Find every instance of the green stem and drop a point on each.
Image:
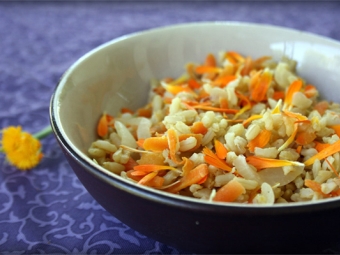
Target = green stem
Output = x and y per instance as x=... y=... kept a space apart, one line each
x=43 y=133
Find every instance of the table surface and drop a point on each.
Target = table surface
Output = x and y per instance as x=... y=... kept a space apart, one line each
x=46 y=209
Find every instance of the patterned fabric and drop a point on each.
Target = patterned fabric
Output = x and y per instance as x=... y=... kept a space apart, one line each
x=47 y=210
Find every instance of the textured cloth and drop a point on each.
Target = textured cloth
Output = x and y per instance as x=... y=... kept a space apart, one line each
x=47 y=210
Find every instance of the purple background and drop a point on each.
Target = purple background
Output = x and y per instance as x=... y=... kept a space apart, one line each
x=47 y=210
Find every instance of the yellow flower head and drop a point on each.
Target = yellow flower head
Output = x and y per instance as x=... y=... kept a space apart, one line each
x=21 y=148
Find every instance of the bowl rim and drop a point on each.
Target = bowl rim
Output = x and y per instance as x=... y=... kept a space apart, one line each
x=164 y=197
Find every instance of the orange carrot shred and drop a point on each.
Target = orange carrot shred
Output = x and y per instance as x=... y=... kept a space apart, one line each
x=278 y=95
x=229 y=192
x=221 y=150
x=260 y=140
x=130 y=164
x=140 y=143
x=315 y=186
x=261 y=163
x=126 y=110
x=295 y=86
x=152 y=168
x=175 y=89
x=320 y=146
x=147 y=178
x=304 y=138
x=248 y=66
x=223 y=81
x=223 y=103
x=210 y=60
x=173 y=143
x=328 y=151
x=321 y=107
x=298 y=149
x=336 y=128
x=144 y=112
x=102 y=126
x=215 y=109
x=157 y=144
x=155 y=182
x=193 y=84
x=194 y=176
x=261 y=86
x=198 y=128
x=207 y=69
x=235 y=56
x=310 y=91
x=187 y=166
x=212 y=159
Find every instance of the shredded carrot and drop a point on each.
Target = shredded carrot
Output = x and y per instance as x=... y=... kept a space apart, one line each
x=278 y=95
x=221 y=150
x=321 y=107
x=207 y=69
x=147 y=178
x=298 y=149
x=234 y=57
x=294 y=87
x=175 y=89
x=261 y=163
x=320 y=146
x=248 y=66
x=173 y=143
x=210 y=60
x=126 y=110
x=336 y=128
x=328 y=151
x=154 y=144
x=229 y=192
x=310 y=91
x=315 y=186
x=223 y=103
x=223 y=81
x=198 y=138
x=187 y=166
x=155 y=182
x=198 y=128
x=260 y=140
x=159 y=90
x=103 y=124
x=215 y=109
x=130 y=164
x=152 y=168
x=193 y=84
x=194 y=176
x=144 y=112
x=212 y=159
x=305 y=137
x=260 y=88
x=297 y=116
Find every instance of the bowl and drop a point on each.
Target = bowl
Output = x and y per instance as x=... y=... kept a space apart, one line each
x=117 y=74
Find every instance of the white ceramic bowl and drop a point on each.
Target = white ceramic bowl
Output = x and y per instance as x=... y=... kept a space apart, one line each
x=117 y=74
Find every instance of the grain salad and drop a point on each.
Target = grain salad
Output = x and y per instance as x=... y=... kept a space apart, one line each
x=230 y=129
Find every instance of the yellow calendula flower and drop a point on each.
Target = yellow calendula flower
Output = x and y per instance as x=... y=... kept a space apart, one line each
x=22 y=149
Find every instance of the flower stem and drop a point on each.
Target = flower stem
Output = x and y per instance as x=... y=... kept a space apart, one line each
x=43 y=133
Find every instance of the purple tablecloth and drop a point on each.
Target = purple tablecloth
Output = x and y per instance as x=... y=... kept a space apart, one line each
x=47 y=210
